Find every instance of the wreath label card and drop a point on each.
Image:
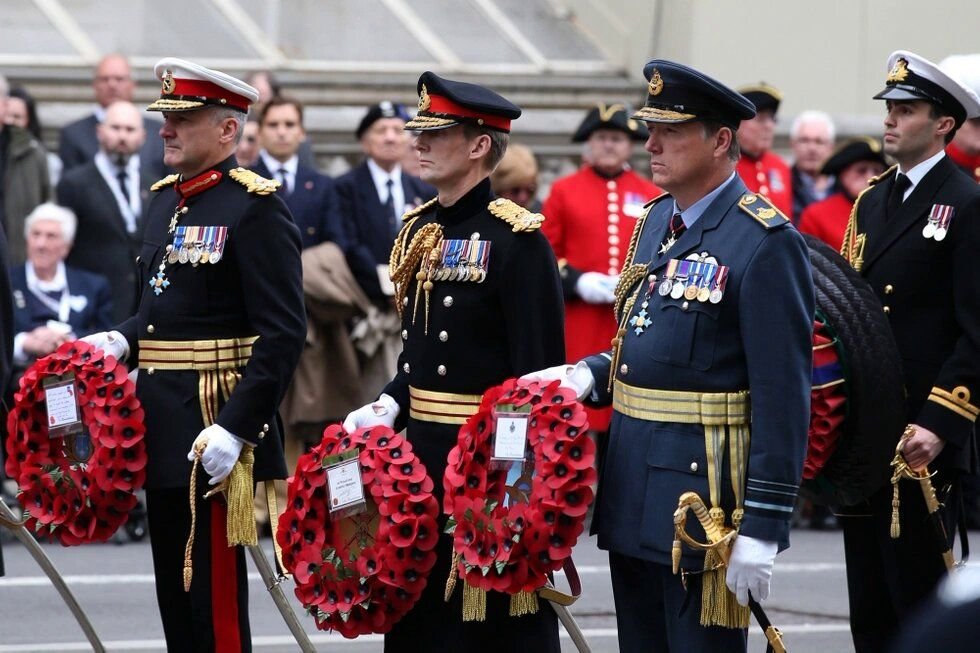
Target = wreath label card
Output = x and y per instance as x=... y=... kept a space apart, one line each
x=61 y=399
x=509 y=437
x=344 y=485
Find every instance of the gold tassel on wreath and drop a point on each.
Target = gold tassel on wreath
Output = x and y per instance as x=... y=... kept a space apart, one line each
x=523 y=603
x=474 y=603
x=719 y=606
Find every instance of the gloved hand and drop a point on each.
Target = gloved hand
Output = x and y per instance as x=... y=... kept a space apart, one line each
x=111 y=342
x=596 y=288
x=220 y=454
x=578 y=377
x=750 y=568
x=380 y=413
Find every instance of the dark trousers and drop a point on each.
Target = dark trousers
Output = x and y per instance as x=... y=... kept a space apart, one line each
x=213 y=616
x=655 y=614
x=888 y=578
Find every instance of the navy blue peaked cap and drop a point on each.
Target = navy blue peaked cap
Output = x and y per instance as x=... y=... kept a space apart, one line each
x=677 y=93
x=444 y=103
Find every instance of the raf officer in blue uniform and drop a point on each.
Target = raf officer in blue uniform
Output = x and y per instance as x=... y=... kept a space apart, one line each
x=914 y=235
x=709 y=375
x=466 y=336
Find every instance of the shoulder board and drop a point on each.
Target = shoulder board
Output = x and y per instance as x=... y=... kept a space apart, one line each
x=762 y=210
x=883 y=176
x=419 y=210
x=169 y=180
x=519 y=218
x=253 y=182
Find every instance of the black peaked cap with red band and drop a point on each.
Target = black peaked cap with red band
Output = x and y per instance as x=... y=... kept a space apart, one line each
x=187 y=86
x=444 y=103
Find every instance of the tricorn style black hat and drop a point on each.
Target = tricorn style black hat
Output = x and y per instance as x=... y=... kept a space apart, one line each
x=861 y=148
x=381 y=110
x=911 y=77
x=444 y=103
x=763 y=96
x=676 y=94
x=611 y=116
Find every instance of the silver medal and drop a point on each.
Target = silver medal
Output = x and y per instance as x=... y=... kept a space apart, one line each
x=183 y=256
x=940 y=233
x=215 y=257
x=677 y=291
x=664 y=288
x=715 y=296
x=929 y=230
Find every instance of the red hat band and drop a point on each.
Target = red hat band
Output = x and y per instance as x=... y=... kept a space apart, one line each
x=442 y=104
x=210 y=90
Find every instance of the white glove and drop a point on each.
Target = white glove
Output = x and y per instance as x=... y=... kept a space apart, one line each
x=381 y=413
x=596 y=288
x=578 y=377
x=220 y=454
x=111 y=342
x=750 y=568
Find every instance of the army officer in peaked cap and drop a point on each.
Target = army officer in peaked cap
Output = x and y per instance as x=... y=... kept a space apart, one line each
x=914 y=235
x=709 y=376
x=217 y=334
x=466 y=336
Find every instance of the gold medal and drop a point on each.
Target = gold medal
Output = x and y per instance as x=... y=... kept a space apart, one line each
x=704 y=294
x=691 y=292
x=205 y=256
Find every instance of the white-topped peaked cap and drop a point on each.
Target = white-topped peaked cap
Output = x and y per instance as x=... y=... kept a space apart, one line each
x=911 y=77
x=965 y=68
x=187 y=86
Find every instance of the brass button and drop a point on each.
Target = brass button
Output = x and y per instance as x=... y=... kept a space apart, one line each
x=889 y=289
x=651 y=278
x=887 y=310
x=685 y=305
x=443 y=336
x=150 y=370
x=694 y=467
x=404 y=334
x=405 y=301
x=406 y=368
x=184 y=209
x=764 y=190
x=261 y=435
x=150 y=328
x=475 y=235
x=624 y=369
x=139 y=259
x=265 y=428
x=447 y=301
x=441 y=370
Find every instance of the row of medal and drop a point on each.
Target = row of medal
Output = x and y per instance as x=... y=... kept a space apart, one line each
x=938 y=224
x=691 y=279
x=463 y=260
x=195 y=244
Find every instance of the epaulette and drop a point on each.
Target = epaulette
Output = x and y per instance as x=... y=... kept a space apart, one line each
x=760 y=208
x=883 y=176
x=169 y=180
x=519 y=218
x=254 y=183
x=419 y=210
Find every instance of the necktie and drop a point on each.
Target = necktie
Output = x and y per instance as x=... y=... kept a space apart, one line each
x=123 y=185
x=284 y=178
x=674 y=231
x=390 y=205
x=897 y=194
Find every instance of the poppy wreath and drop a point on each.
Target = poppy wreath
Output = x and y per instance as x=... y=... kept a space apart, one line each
x=360 y=574
x=512 y=546
x=64 y=499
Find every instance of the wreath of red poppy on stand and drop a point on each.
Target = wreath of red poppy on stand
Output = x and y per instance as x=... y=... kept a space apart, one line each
x=65 y=498
x=508 y=538
x=360 y=574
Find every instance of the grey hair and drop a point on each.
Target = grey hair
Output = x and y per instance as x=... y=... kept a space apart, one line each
x=812 y=116
x=4 y=87
x=498 y=142
x=218 y=114
x=55 y=213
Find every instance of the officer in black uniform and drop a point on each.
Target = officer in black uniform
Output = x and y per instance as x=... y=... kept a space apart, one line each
x=914 y=235
x=709 y=376
x=218 y=332
x=465 y=333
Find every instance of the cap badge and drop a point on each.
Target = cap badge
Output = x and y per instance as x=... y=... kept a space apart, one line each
x=606 y=114
x=424 y=101
x=899 y=71
x=168 y=82
x=656 y=83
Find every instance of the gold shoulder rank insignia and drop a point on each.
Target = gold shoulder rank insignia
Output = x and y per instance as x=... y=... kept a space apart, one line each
x=419 y=210
x=883 y=176
x=764 y=212
x=519 y=218
x=253 y=182
x=169 y=180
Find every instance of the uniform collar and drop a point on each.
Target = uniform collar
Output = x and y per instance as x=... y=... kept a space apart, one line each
x=691 y=214
x=208 y=179
x=474 y=201
x=917 y=172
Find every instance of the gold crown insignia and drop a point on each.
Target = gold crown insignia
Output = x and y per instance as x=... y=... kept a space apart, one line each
x=168 y=82
x=424 y=100
x=656 y=84
x=899 y=71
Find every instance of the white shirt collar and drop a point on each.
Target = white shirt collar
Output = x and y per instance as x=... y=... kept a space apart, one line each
x=99 y=113
x=275 y=165
x=381 y=177
x=57 y=284
x=920 y=170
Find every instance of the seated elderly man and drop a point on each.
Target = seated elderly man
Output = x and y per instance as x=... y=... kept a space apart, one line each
x=54 y=303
